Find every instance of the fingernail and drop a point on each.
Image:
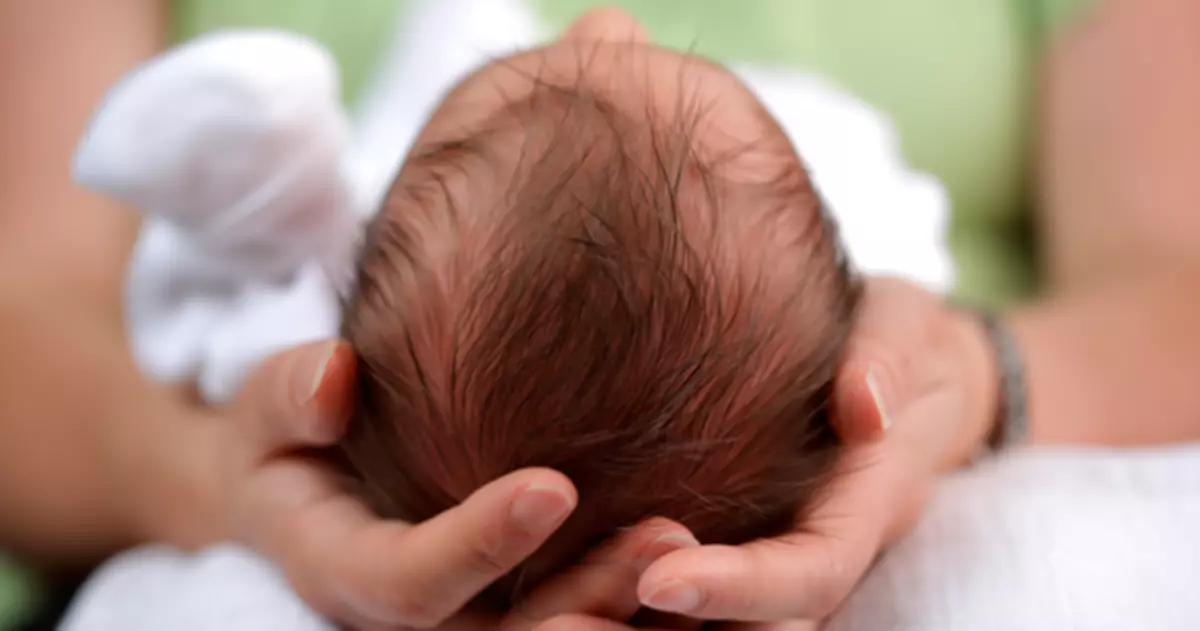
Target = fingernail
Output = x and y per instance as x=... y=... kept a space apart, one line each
x=674 y=597
x=874 y=384
x=309 y=383
x=663 y=546
x=539 y=510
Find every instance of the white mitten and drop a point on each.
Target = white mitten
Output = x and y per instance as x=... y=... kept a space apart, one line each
x=268 y=320
x=232 y=147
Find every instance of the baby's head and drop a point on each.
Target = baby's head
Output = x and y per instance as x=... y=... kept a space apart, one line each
x=603 y=258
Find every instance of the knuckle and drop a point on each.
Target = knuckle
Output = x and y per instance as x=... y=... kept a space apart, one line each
x=744 y=599
x=487 y=556
x=818 y=590
x=830 y=586
x=824 y=598
x=317 y=599
x=657 y=524
x=417 y=611
x=400 y=599
x=637 y=539
x=562 y=623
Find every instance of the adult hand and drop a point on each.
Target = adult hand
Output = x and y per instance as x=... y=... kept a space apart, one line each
x=913 y=398
x=375 y=574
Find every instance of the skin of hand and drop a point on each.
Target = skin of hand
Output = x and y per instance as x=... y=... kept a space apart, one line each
x=914 y=398
x=374 y=574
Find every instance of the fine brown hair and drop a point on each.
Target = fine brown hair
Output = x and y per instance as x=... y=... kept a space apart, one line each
x=576 y=286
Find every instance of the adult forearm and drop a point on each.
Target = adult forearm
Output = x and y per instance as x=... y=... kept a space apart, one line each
x=94 y=456
x=56 y=491
x=1114 y=357
x=67 y=378
x=1115 y=365
x=57 y=59
x=1119 y=140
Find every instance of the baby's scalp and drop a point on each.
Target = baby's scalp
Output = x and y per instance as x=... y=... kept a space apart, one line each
x=648 y=301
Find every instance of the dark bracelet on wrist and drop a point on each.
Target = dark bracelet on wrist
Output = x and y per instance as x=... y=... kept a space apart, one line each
x=1011 y=425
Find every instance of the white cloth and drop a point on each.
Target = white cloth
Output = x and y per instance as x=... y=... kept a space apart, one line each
x=1083 y=540
x=1036 y=542
x=223 y=142
x=222 y=588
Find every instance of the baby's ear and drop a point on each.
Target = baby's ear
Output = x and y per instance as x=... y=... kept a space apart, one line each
x=205 y=128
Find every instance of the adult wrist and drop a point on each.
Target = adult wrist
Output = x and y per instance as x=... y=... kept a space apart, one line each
x=982 y=379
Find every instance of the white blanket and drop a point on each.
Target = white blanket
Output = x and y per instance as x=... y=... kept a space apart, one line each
x=1081 y=539
x=1035 y=542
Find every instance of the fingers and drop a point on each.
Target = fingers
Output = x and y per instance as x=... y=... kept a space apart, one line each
x=603 y=583
x=421 y=575
x=341 y=559
x=782 y=625
x=578 y=622
x=804 y=575
x=352 y=567
x=302 y=396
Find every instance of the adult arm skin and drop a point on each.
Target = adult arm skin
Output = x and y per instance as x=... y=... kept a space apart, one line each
x=79 y=427
x=1113 y=352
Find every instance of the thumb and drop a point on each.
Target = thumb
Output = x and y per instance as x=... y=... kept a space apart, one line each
x=877 y=374
x=303 y=396
x=862 y=398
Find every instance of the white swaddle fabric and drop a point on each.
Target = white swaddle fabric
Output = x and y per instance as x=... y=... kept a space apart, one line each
x=208 y=299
